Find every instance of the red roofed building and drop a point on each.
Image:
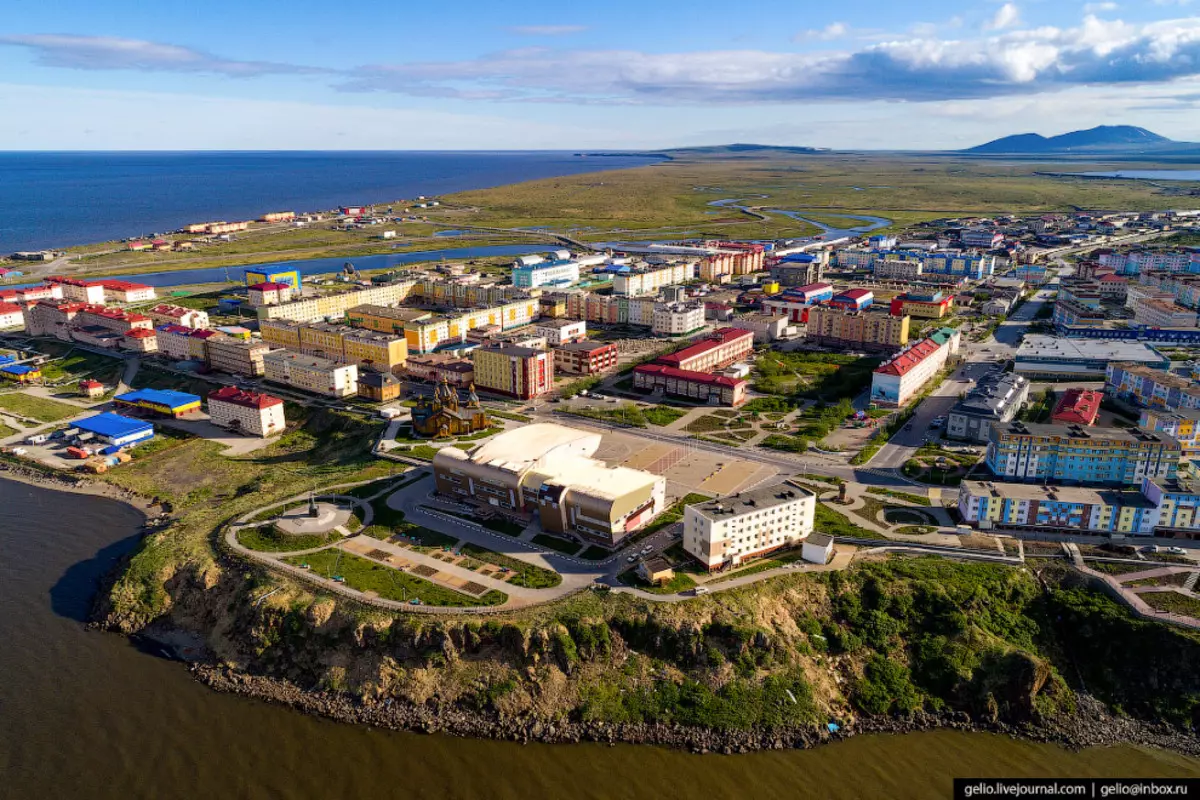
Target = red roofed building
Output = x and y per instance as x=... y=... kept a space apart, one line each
x=90 y=388
x=141 y=340
x=11 y=316
x=853 y=299
x=269 y=294
x=79 y=291
x=1078 y=407
x=700 y=386
x=1112 y=286
x=253 y=413
x=126 y=292
x=113 y=319
x=168 y=314
x=51 y=318
x=895 y=382
x=719 y=349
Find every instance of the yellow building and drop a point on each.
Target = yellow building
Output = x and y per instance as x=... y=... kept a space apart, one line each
x=309 y=309
x=386 y=352
x=427 y=335
x=868 y=330
x=520 y=372
x=311 y=373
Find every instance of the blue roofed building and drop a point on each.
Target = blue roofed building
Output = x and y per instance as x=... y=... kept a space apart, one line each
x=166 y=402
x=116 y=430
x=546 y=273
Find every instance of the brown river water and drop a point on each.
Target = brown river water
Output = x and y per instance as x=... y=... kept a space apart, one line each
x=86 y=714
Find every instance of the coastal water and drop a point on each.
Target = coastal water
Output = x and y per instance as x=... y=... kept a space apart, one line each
x=1148 y=174
x=50 y=200
x=85 y=714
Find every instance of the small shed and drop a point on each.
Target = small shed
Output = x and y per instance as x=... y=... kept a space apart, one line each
x=817 y=548
x=656 y=570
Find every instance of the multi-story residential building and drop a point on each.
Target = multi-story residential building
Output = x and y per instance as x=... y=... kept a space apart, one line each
x=1020 y=451
x=899 y=379
x=585 y=358
x=1140 y=261
x=799 y=269
x=546 y=472
x=952 y=263
x=765 y=327
x=167 y=314
x=719 y=349
x=873 y=331
x=676 y=319
x=987 y=238
x=1068 y=312
x=325 y=306
x=116 y=291
x=520 y=372
x=996 y=397
x=11 y=316
x=269 y=294
x=560 y=272
x=254 y=413
x=173 y=341
x=89 y=292
x=698 y=386
x=140 y=340
x=1162 y=314
x=728 y=531
x=311 y=373
x=923 y=305
x=467 y=291
x=384 y=319
x=993 y=505
x=896 y=270
x=650 y=279
x=721 y=267
x=236 y=356
x=427 y=335
x=367 y=348
x=1184 y=289
x=51 y=318
x=1055 y=357
x=438 y=367
x=112 y=319
x=1113 y=287
x=1077 y=407
x=560 y=331
x=1135 y=293
x=1180 y=424
x=31 y=294
x=1152 y=388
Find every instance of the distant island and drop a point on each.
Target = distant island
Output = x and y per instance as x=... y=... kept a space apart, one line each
x=1101 y=140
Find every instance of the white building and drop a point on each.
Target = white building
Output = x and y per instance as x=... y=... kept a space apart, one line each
x=168 y=314
x=817 y=548
x=675 y=319
x=727 y=531
x=311 y=373
x=981 y=237
x=246 y=412
x=558 y=332
x=11 y=316
x=545 y=273
x=895 y=269
x=125 y=292
x=650 y=279
x=905 y=374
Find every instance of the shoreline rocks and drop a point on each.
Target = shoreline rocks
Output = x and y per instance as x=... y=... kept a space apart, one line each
x=1091 y=726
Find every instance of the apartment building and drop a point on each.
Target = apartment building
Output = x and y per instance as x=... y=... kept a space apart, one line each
x=560 y=272
x=269 y=294
x=1076 y=454
x=1180 y=424
x=173 y=341
x=51 y=318
x=896 y=270
x=1151 y=388
x=254 y=413
x=1156 y=313
x=676 y=319
x=236 y=356
x=873 y=331
x=650 y=279
x=11 y=316
x=167 y=314
x=902 y=377
x=520 y=372
x=438 y=367
x=560 y=331
x=996 y=397
x=78 y=291
x=366 y=348
x=334 y=305
x=311 y=373
x=719 y=349
x=384 y=319
x=116 y=291
x=994 y=505
x=427 y=335
x=585 y=358
x=728 y=531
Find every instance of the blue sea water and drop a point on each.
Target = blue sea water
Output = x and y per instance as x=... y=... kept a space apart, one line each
x=50 y=200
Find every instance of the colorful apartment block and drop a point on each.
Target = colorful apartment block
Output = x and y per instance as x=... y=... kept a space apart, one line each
x=1019 y=451
x=520 y=372
x=1180 y=424
x=873 y=331
x=1151 y=388
x=933 y=305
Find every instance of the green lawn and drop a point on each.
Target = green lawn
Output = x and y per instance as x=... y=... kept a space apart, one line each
x=920 y=500
x=1173 y=601
x=268 y=539
x=523 y=574
x=835 y=523
x=6 y=431
x=555 y=543
x=680 y=583
x=662 y=415
x=497 y=524
x=26 y=405
x=366 y=575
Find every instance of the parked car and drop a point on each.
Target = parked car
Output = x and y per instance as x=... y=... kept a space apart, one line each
x=699 y=590
x=631 y=559
x=1177 y=551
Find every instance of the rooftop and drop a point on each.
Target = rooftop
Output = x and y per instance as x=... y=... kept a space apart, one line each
x=162 y=397
x=1078 y=406
x=722 y=508
x=714 y=340
x=378 y=379
x=584 y=346
x=991 y=395
x=110 y=424
x=269 y=286
x=1057 y=494
x=902 y=362
x=1044 y=348
x=241 y=397
x=1110 y=435
x=687 y=375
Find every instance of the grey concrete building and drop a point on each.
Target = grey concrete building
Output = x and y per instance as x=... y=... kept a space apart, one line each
x=996 y=398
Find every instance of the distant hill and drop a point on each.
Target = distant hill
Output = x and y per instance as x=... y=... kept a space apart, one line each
x=1104 y=138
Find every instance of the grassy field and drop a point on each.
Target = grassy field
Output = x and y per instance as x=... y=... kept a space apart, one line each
x=40 y=408
x=1173 y=601
x=269 y=539
x=366 y=575
x=523 y=574
x=680 y=583
x=6 y=431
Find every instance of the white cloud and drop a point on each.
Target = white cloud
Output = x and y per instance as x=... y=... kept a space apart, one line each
x=108 y=52
x=832 y=31
x=546 y=30
x=912 y=68
x=1097 y=8
x=1007 y=16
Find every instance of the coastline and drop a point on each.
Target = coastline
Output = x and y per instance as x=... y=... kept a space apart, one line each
x=1090 y=726
x=63 y=483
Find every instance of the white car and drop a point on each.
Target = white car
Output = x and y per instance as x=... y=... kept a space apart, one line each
x=699 y=590
x=1177 y=551
x=631 y=559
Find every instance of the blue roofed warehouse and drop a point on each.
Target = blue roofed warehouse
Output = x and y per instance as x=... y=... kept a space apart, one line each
x=116 y=430
x=160 y=401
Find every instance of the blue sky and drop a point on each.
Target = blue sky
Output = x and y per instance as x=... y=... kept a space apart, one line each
x=618 y=74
